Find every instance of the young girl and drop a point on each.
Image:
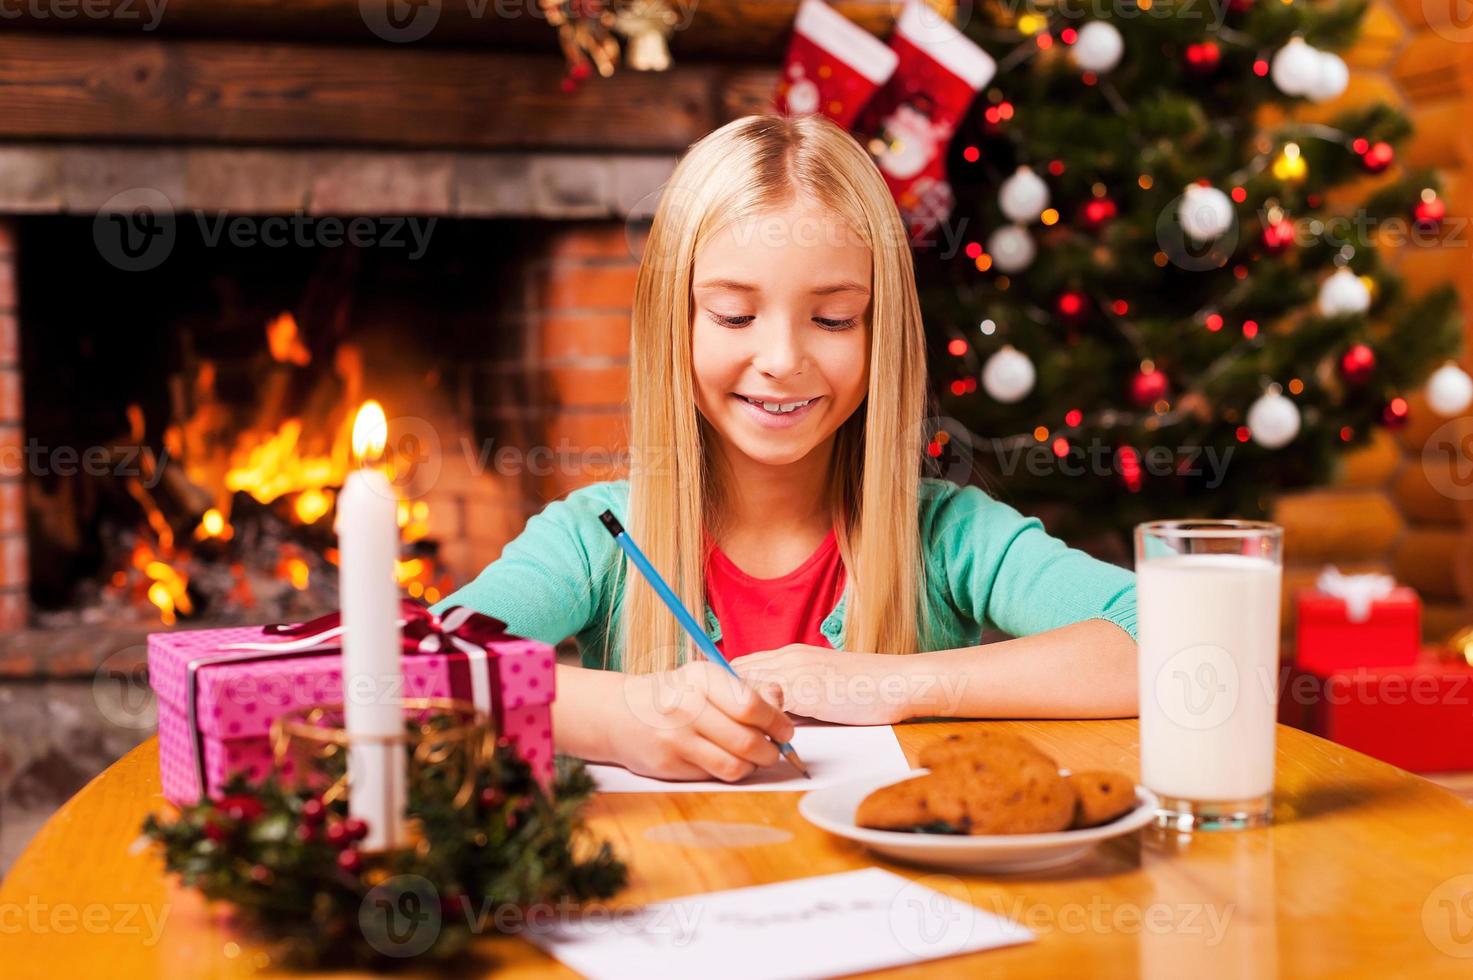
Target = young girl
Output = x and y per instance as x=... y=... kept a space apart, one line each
x=777 y=396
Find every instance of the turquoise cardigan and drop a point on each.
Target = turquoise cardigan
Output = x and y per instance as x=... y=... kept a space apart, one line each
x=986 y=566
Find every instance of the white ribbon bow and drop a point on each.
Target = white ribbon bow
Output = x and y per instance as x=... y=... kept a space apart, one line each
x=1357 y=591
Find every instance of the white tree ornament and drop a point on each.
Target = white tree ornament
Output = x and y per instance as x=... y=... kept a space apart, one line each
x=1331 y=78
x=1273 y=420
x=1204 y=212
x=1449 y=390
x=1008 y=375
x=1023 y=196
x=1343 y=294
x=1295 y=68
x=1011 y=248
x=1098 y=47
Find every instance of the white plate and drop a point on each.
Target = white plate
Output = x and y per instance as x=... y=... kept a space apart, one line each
x=833 y=810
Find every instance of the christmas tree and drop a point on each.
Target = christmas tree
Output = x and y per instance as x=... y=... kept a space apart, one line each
x=1158 y=303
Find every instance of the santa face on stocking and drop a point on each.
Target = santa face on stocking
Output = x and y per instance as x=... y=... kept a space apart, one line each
x=802 y=93
x=909 y=141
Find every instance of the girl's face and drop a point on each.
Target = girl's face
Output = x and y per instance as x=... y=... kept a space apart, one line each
x=780 y=343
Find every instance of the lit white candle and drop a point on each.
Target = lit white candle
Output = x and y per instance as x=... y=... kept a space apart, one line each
x=368 y=544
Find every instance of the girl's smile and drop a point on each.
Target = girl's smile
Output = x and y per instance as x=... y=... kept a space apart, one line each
x=776 y=413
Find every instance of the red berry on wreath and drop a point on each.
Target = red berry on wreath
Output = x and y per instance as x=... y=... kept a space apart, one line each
x=216 y=832
x=355 y=828
x=261 y=874
x=1377 y=157
x=305 y=832
x=491 y=797
x=337 y=834
x=350 y=860
x=313 y=810
x=240 y=808
x=1358 y=364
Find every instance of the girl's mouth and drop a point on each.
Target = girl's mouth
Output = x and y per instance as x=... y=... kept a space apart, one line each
x=777 y=414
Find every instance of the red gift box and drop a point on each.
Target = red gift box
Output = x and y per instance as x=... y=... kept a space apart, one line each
x=1328 y=637
x=1418 y=716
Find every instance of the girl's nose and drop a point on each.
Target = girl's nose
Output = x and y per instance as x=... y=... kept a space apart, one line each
x=779 y=352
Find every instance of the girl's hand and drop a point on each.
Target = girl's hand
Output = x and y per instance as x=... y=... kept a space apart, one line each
x=696 y=722
x=832 y=685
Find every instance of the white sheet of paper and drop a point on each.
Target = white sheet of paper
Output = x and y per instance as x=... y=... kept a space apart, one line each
x=812 y=927
x=832 y=753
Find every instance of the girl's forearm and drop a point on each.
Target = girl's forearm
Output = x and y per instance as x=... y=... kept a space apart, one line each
x=1085 y=670
x=582 y=711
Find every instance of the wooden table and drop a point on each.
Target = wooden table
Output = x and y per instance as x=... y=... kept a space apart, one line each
x=1368 y=872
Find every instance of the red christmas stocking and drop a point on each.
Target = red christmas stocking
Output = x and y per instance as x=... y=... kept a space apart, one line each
x=833 y=65
x=912 y=118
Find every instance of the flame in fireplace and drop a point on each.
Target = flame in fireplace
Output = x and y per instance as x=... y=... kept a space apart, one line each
x=281 y=457
x=285 y=341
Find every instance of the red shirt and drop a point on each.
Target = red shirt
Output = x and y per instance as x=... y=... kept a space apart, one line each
x=759 y=614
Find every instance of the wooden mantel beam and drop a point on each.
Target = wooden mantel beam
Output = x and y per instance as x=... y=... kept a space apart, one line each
x=751 y=30
x=91 y=87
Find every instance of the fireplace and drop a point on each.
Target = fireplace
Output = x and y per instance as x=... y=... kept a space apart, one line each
x=177 y=418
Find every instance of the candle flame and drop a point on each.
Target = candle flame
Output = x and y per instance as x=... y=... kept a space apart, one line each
x=370 y=431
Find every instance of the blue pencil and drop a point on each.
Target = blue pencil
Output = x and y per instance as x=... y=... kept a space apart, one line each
x=682 y=614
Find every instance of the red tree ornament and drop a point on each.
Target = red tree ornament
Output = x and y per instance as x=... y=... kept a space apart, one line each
x=1358 y=364
x=1396 y=413
x=1278 y=236
x=1072 y=304
x=1429 y=212
x=1098 y=212
x=1203 y=58
x=1377 y=157
x=1148 y=387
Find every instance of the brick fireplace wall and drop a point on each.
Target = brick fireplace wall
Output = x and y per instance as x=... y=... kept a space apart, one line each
x=14 y=606
x=559 y=398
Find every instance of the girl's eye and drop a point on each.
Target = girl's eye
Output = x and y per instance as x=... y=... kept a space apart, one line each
x=732 y=321
x=835 y=325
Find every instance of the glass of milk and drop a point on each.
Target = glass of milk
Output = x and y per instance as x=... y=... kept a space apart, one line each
x=1208 y=632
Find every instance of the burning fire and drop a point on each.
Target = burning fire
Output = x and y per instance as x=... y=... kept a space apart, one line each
x=291 y=463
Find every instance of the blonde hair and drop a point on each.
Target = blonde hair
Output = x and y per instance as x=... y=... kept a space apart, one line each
x=752 y=166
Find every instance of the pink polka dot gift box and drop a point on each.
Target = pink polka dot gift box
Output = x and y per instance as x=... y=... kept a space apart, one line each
x=219 y=689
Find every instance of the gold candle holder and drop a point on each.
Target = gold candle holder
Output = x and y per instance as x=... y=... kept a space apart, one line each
x=445 y=738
